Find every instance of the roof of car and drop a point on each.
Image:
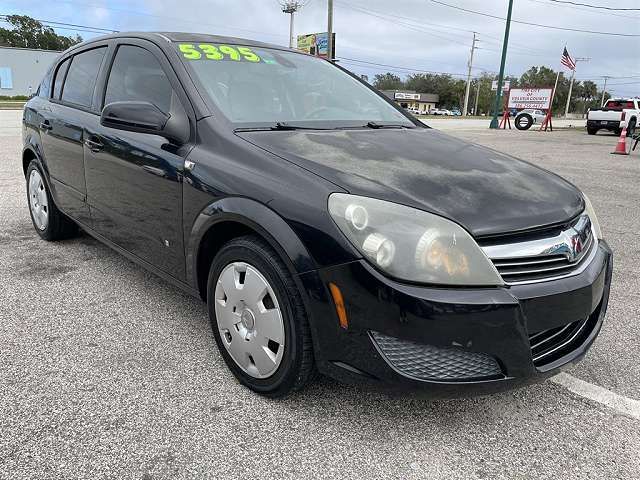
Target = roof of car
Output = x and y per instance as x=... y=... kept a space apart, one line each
x=183 y=37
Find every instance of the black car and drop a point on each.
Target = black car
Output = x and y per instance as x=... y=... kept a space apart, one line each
x=327 y=230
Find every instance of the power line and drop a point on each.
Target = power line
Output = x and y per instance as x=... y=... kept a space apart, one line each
x=553 y=27
x=597 y=6
x=410 y=69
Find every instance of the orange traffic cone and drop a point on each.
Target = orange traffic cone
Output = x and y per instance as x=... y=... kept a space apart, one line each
x=621 y=146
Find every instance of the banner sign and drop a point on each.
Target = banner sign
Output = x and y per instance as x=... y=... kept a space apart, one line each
x=406 y=96
x=316 y=44
x=505 y=85
x=539 y=98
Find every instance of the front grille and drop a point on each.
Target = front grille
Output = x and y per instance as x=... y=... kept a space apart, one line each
x=543 y=255
x=539 y=267
x=549 y=345
x=427 y=362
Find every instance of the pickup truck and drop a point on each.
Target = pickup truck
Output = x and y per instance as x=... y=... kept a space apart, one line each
x=609 y=117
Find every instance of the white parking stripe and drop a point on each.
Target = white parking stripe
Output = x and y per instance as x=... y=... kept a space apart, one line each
x=626 y=406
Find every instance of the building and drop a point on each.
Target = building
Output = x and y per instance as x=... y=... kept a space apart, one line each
x=422 y=102
x=22 y=69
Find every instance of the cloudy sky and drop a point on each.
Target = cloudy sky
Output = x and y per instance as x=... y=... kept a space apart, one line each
x=375 y=36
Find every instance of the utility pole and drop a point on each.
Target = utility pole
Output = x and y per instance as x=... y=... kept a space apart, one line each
x=290 y=7
x=330 y=30
x=475 y=108
x=466 y=93
x=604 y=90
x=496 y=108
x=573 y=74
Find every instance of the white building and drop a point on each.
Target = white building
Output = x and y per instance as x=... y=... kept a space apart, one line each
x=22 y=69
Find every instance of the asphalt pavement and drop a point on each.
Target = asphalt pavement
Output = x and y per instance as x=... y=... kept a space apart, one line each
x=107 y=371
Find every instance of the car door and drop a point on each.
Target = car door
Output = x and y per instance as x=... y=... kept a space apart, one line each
x=134 y=180
x=62 y=131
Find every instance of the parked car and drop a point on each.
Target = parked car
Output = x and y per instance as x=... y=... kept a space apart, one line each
x=327 y=230
x=528 y=117
x=609 y=117
x=456 y=113
x=440 y=111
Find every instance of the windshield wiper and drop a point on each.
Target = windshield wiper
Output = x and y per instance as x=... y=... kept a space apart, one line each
x=282 y=126
x=387 y=125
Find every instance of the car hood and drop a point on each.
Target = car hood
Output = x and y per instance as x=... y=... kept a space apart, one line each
x=485 y=191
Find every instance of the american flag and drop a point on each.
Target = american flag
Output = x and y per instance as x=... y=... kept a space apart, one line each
x=567 y=61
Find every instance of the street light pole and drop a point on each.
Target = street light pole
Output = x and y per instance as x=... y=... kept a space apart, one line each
x=496 y=108
x=604 y=90
x=466 y=93
x=573 y=74
x=291 y=8
x=330 y=30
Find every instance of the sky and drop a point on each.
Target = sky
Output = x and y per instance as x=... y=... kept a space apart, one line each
x=401 y=36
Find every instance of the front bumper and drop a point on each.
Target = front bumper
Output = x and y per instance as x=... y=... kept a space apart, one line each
x=464 y=341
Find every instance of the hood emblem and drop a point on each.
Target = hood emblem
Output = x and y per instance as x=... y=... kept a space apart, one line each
x=574 y=241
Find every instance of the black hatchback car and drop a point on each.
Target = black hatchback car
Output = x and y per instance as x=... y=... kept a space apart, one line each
x=328 y=231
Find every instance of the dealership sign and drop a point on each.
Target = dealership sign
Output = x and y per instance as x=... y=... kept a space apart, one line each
x=406 y=96
x=539 y=98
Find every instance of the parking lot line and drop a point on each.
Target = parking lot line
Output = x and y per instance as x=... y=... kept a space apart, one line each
x=626 y=406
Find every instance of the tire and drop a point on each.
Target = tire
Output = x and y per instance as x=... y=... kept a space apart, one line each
x=592 y=131
x=617 y=131
x=49 y=222
x=631 y=128
x=524 y=121
x=281 y=344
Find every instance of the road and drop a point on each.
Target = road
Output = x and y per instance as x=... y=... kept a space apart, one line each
x=108 y=372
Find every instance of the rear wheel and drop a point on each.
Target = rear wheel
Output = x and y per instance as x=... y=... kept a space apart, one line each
x=258 y=318
x=592 y=131
x=631 y=128
x=48 y=221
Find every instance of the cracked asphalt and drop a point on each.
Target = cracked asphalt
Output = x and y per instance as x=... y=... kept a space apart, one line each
x=106 y=371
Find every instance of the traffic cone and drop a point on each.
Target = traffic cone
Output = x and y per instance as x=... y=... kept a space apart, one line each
x=621 y=146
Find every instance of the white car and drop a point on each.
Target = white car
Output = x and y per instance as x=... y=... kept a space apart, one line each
x=440 y=111
x=527 y=117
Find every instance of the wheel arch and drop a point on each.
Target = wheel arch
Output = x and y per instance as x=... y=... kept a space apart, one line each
x=231 y=217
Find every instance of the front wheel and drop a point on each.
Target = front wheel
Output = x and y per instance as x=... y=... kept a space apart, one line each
x=258 y=318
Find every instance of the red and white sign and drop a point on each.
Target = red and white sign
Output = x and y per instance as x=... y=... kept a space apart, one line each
x=538 y=98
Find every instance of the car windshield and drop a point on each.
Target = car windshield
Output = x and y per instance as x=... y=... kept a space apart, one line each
x=255 y=86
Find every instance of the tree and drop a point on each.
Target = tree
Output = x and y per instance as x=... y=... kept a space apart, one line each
x=388 y=81
x=30 y=33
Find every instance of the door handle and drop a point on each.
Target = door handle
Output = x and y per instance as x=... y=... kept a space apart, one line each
x=45 y=125
x=93 y=145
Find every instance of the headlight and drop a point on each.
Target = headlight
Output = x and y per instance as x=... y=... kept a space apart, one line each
x=410 y=244
x=588 y=208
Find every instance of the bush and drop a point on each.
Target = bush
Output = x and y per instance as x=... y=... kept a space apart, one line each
x=15 y=97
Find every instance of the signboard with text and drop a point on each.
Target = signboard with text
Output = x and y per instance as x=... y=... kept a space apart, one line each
x=505 y=85
x=406 y=96
x=539 y=98
x=316 y=44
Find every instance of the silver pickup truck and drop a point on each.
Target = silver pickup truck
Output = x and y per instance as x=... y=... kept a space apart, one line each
x=609 y=117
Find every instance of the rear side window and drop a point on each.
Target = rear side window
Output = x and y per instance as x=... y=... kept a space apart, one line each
x=62 y=71
x=136 y=75
x=619 y=104
x=45 y=86
x=81 y=79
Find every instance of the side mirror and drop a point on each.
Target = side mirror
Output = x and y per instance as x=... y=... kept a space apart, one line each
x=144 y=117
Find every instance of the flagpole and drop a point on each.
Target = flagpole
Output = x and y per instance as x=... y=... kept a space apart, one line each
x=566 y=109
x=555 y=87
